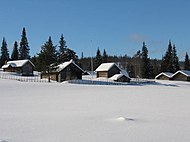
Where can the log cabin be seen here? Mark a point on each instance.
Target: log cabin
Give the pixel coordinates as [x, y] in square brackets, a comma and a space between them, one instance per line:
[181, 75]
[107, 70]
[66, 71]
[23, 67]
[164, 76]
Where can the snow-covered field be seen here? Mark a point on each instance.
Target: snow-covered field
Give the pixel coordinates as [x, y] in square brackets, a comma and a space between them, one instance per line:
[53, 112]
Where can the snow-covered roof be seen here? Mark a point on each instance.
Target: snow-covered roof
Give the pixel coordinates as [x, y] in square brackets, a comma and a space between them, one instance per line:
[106, 66]
[184, 72]
[167, 74]
[124, 72]
[16, 63]
[118, 76]
[65, 64]
[5, 66]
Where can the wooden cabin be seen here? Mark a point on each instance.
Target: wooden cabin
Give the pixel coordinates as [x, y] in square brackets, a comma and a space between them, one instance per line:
[164, 76]
[182, 75]
[23, 67]
[65, 71]
[107, 70]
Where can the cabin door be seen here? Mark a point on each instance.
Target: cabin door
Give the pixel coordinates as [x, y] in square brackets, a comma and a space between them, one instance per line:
[68, 74]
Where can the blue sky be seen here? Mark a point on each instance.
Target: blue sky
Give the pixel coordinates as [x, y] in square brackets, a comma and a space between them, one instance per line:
[119, 26]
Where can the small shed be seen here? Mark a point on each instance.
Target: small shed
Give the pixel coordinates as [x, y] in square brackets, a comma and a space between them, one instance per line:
[65, 71]
[121, 77]
[164, 76]
[181, 75]
[24, 67]
[107, 70]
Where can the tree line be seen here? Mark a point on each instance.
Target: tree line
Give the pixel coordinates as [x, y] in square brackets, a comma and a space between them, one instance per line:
[140, 64]
[46, 60]
[50, 55]
[21, 52]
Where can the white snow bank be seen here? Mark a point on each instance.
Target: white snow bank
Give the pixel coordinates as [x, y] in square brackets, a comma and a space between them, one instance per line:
[124, 119]
[43, 112]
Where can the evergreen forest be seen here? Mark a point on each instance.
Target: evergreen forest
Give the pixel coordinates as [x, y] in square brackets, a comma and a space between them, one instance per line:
[139, 65]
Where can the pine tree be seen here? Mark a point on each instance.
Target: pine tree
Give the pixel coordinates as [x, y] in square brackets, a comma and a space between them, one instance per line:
[175, 59]
[137, 55]
[169, 58]
[47, 58]
[24, 47]
[187, 62]
[14, 55]
[146, 72]
[82, 55]
[164, 66]
[71, 54]
[98, 59]
[156, 67]
[105, 57]
[167, 61]
[4, 52]
[62, 57]
[131, 70]
[34, 60]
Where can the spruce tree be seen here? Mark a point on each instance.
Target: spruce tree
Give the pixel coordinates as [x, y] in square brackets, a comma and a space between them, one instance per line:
[14, 55]
[47, 58]
[146, 72]
[24, 47]
[175, 59]
[169, 58]
[4, 53]
[167, 61]
[34, 60]
[82, 55]
[98, 59]
[164, 66]
[62, 57]
[105, 57]
[71, 55]
[187, 62]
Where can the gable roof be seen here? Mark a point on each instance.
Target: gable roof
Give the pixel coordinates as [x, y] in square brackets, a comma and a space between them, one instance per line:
[167, 74]
[184, 72]
[17, 63]
[106, 67]
[65, 64]
[124, 72]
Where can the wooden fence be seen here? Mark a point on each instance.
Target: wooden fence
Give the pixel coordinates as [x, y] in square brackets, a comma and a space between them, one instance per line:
[89, 81]
[19, 77]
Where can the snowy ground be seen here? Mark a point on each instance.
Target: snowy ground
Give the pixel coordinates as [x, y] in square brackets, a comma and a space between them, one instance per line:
[54, 112]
